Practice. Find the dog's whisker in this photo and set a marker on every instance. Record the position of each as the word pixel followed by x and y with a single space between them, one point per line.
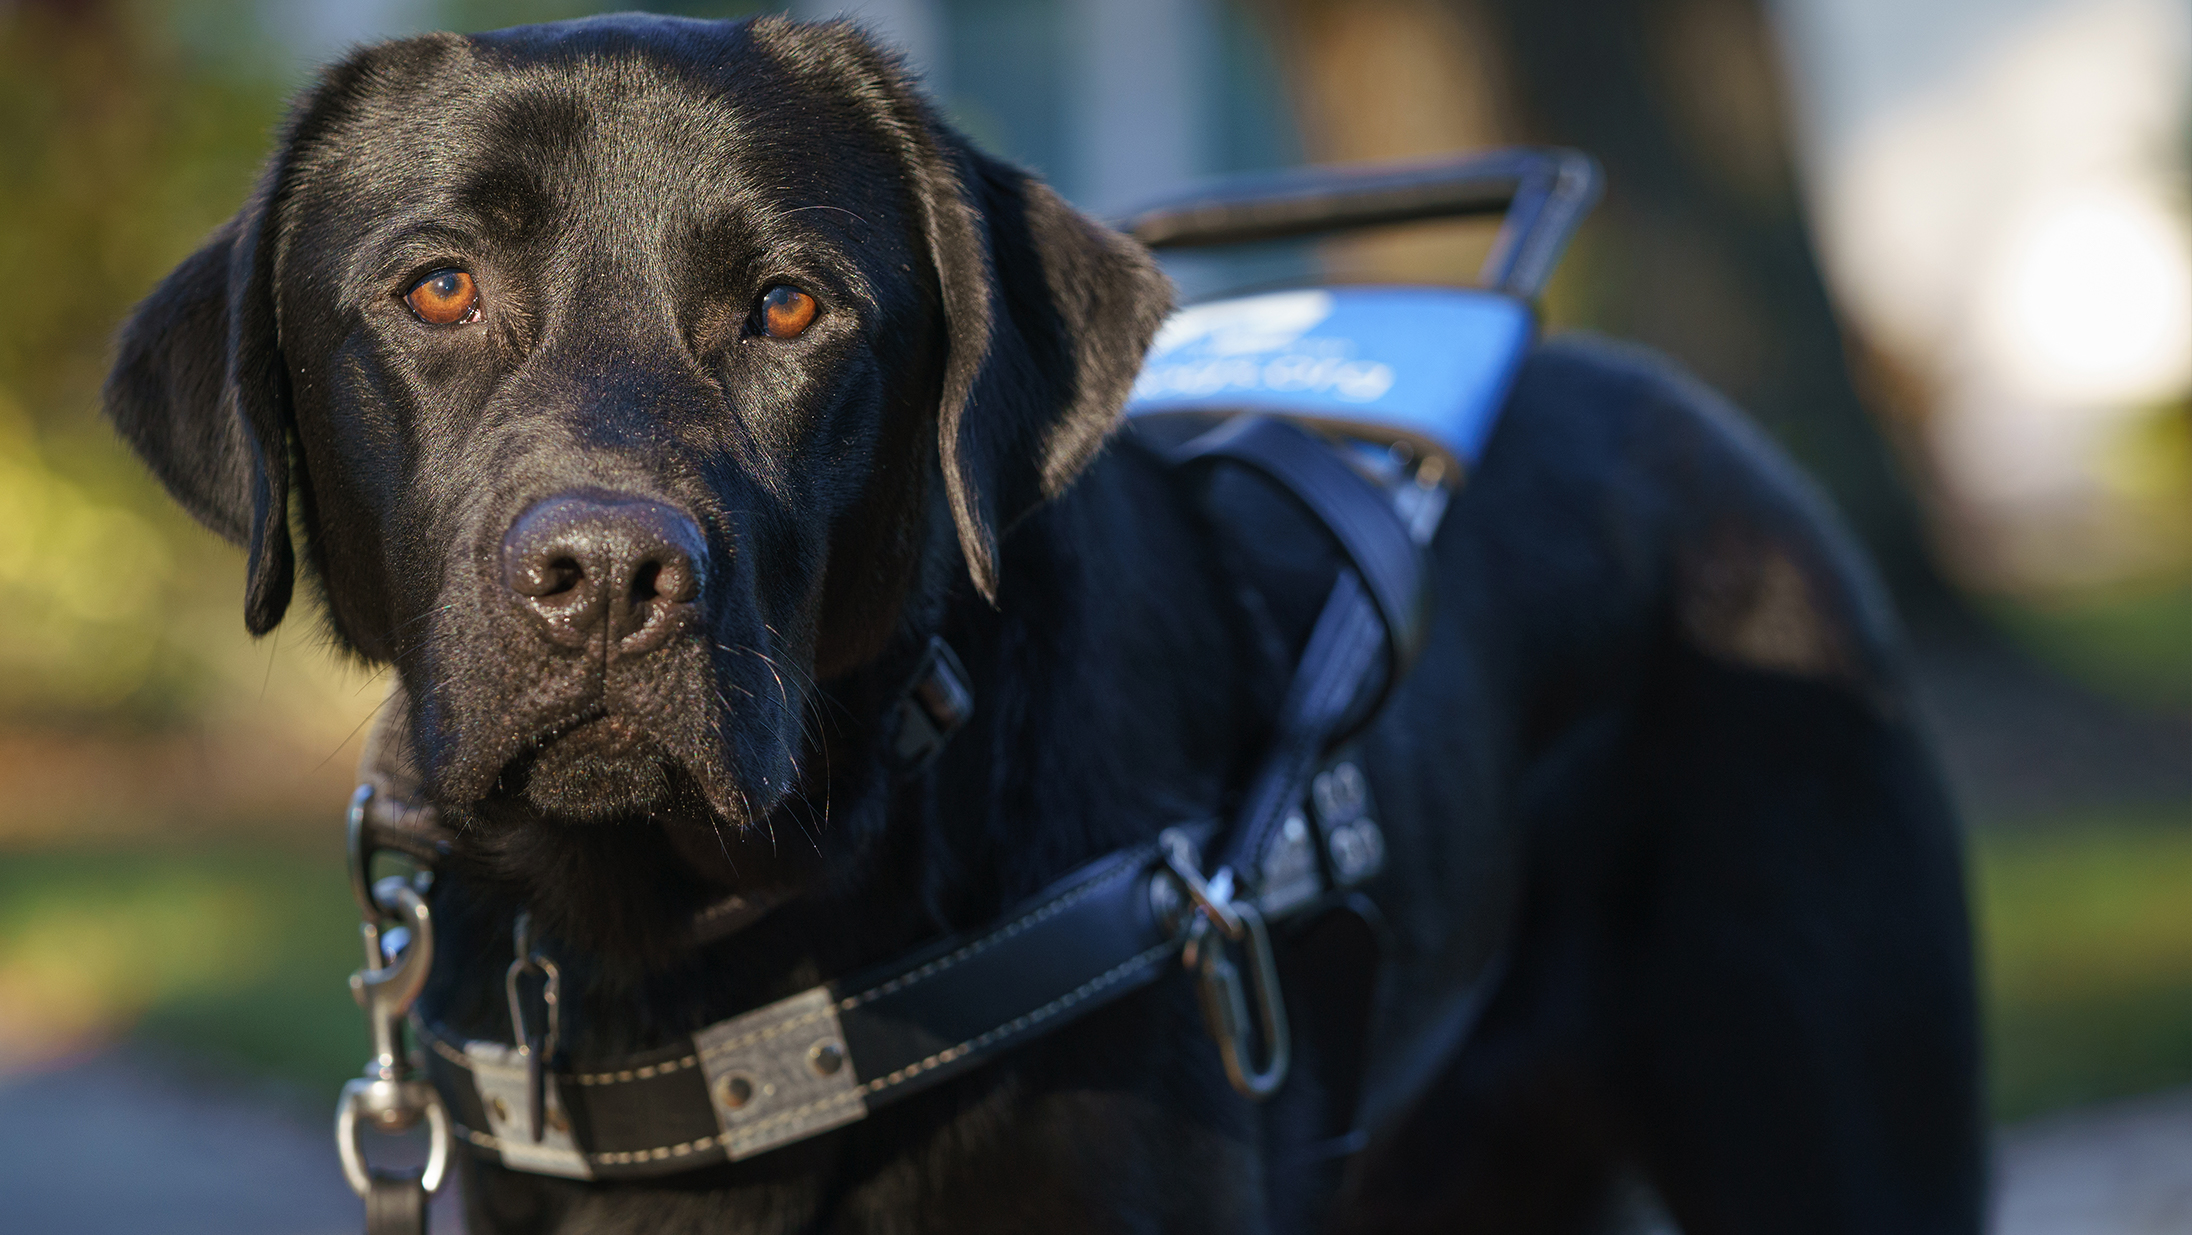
pixel 268 678
pixel 354 730
pixel 716 825
pixel 416 618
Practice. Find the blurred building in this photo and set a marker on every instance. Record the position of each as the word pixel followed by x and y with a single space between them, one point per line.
pixel 2001 199
pixel 1113 101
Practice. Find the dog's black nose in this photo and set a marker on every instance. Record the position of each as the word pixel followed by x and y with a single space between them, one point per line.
pixel 588 562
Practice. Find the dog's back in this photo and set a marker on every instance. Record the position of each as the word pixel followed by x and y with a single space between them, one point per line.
pixel 1669 786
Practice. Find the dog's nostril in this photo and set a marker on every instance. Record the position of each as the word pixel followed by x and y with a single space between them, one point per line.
pixel 562 575
pixel 674 581
pixel 546 579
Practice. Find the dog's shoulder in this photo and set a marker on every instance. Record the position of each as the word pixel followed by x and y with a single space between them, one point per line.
pixel 1646 491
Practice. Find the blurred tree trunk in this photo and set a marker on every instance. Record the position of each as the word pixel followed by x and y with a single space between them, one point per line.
pixel 1701 248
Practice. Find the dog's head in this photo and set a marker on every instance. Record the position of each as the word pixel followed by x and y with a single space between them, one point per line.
pixel 626 378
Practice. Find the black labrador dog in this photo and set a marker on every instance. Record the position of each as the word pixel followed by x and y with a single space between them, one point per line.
pixel 649 392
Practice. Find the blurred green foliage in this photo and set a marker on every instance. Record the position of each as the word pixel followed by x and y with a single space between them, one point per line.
pixel 236 954
pixel 2086 936
pixel 2134 643
pixel 123 152
pixel 122 155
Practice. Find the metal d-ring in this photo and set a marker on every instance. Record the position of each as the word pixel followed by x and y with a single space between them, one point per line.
pixel 1225 1003
pixel 1219 920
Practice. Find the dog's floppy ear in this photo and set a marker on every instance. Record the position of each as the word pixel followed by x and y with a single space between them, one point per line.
pixel 1049 314
pixel 200 390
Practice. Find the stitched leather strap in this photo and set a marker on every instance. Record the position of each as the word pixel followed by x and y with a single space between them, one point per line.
pixel 830 1055
pixel 1375 611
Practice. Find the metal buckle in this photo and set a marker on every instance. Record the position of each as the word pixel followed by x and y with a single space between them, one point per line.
pixel 390 1098
pixel 538 1050
pixel 1220 919
pixel 933 708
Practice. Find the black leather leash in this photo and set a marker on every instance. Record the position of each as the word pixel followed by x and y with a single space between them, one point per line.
pixel 796 1068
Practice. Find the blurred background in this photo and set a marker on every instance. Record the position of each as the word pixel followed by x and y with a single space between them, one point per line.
pixel 1941 249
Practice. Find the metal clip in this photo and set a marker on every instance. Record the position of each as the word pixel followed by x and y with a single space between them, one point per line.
pixel 1219 919
pixel 934 707
pixel 389 1098
pixel 539 1050
pixel 1214 898
pixel 1225 1004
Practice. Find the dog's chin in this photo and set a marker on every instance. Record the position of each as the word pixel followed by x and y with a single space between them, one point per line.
pixel 602 771
pixel 609 769
pixel 615 838
pixel 580 831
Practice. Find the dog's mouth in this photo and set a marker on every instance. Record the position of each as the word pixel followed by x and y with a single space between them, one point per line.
pixel 671 736
pixel 613 832
pixel 592 769
pixel 601 767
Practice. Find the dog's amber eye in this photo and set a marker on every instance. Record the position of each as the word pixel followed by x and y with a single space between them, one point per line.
pixel 786 312
pixel 445 298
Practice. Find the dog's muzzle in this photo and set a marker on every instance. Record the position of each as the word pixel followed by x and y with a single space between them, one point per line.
pixel 625 568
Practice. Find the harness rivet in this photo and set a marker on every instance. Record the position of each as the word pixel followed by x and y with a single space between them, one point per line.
pixel 501 1110
pixel 826 1058
pixel 1340 794
pixel 734 1091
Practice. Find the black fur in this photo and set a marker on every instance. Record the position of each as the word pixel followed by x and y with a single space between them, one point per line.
pixel 1657 752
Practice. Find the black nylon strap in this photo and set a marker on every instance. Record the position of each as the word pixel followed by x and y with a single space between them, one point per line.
pixel 1327 690
pixel 395 1207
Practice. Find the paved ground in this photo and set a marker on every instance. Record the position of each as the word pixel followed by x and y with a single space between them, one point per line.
pixel 120 1142
pixel 2122 1169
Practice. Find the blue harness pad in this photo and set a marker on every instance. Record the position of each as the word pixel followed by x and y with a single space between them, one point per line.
pixel 1431 363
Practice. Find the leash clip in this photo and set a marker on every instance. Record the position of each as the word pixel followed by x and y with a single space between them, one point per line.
pixel 1221 920
pixel 390 1098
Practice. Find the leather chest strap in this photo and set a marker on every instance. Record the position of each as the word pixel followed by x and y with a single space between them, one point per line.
pixel 1376 611
pixel 1360 516
pixel 827 1056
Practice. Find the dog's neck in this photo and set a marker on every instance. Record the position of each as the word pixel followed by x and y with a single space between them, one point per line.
pixel 1111 683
